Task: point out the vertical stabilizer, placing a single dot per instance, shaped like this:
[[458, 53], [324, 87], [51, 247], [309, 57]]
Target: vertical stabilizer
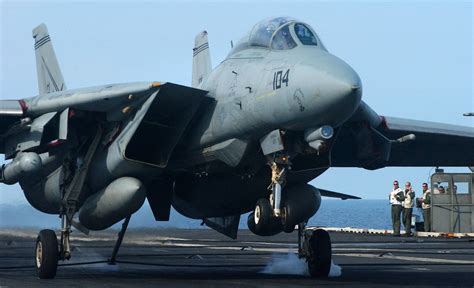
[[50, 78], [201, 59]]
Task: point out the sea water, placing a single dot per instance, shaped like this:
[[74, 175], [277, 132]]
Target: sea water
[[332, 213]]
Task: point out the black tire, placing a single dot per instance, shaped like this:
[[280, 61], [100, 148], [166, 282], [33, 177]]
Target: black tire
[[287, 218], [299, 204], [262, 214], [319, 261], [47, 254], [273, 228]]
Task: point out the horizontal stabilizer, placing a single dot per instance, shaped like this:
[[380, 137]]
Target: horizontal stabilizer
[[159, 194], [225, 225], [331, 194]]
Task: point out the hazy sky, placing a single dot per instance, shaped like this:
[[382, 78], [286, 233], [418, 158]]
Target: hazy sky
[[414, 58]]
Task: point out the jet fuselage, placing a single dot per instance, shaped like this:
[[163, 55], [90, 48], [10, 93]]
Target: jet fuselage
[[258, 90]]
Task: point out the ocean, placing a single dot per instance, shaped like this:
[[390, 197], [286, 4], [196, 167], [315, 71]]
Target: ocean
[[332, 213]]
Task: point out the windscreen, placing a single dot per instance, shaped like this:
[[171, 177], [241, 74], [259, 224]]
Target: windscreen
[[305, 35]]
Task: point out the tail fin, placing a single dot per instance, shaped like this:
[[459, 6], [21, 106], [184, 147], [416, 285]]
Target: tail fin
[[50, 78], [201, 59]]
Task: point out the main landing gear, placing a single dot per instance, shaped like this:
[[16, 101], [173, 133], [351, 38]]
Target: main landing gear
[[46, 254], [48, 250], [315, 247]]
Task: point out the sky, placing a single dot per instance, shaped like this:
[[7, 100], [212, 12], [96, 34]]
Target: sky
[[414, 58]]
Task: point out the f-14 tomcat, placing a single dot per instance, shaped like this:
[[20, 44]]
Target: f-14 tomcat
[[246, 137]]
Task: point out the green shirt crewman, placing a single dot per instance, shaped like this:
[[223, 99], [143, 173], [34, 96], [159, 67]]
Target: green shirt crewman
[[408, 204], [426, 207]]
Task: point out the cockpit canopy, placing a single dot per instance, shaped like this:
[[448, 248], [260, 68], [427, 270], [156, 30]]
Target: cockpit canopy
[[279, 34]]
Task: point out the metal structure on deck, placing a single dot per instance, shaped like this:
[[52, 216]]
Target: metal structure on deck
[[452, 202]]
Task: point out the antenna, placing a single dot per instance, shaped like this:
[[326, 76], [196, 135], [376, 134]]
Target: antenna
[[231, 44]]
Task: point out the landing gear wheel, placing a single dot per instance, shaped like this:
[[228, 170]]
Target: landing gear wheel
[[262, 214], [319, 260], [287, 218], [47, 254]]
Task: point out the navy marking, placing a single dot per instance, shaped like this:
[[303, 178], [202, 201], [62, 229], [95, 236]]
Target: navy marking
[[200, 48], [42, 41], [199, 51], [50, 75]]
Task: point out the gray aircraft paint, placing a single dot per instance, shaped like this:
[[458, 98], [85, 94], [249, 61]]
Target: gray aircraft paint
[[253, 92], [325, 83]]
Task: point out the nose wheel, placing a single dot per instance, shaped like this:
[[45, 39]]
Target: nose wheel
[[271, 213], [287, 219], [262, 214], [47, 254]]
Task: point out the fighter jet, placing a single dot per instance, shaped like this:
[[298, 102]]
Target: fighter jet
[[248, 136]]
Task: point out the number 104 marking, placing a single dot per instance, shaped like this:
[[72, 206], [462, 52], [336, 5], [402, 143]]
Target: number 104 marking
[[279, 78]]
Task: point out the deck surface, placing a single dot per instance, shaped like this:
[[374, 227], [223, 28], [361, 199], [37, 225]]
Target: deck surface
[[204, 258]]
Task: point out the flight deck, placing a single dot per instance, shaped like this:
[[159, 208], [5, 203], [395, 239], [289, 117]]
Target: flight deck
[[204, 258]]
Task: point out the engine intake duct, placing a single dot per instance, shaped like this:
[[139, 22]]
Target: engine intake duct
[[163, 124]]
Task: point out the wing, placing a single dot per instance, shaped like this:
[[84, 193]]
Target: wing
[[371, 141], [436, 144], [164, 108]]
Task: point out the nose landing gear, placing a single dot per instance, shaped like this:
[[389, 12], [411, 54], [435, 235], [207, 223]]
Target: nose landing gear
[[262, 214], [279, 207], [268, 211]]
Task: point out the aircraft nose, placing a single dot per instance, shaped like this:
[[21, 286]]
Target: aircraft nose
[[341, 87]]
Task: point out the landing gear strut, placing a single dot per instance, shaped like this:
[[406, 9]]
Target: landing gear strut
[[47, 253], [267, 214], [279, 167], [315, 247], [280, 209]]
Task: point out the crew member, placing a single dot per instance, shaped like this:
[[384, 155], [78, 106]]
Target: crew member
[[408, 204], [441, 190], [426, 207], [396, 197]]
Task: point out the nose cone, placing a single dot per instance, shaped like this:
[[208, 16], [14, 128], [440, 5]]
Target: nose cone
[[338, 88], [343, 83]]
